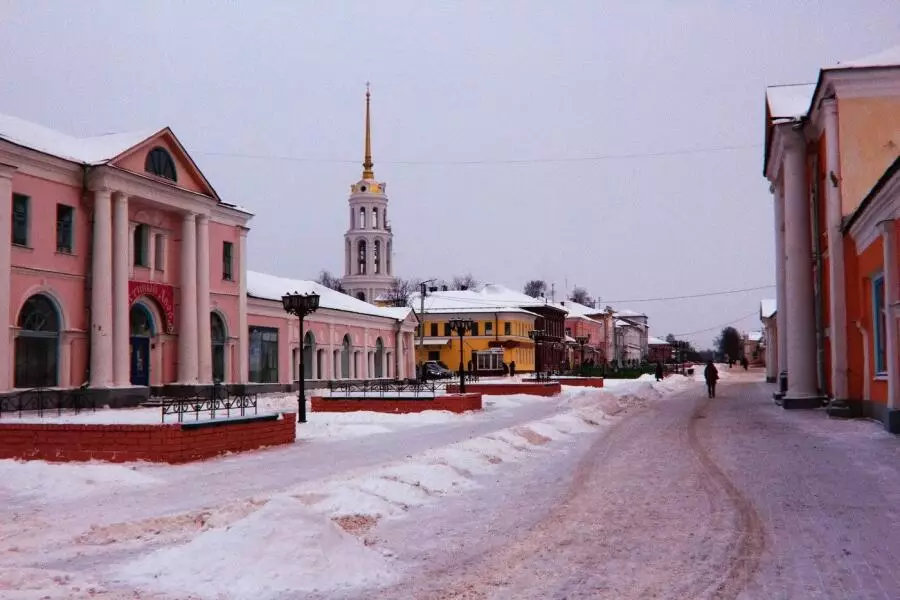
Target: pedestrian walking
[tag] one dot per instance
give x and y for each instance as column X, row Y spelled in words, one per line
column 711, row 374
column 659, row 371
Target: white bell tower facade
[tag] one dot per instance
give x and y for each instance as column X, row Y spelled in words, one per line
column 369, row 242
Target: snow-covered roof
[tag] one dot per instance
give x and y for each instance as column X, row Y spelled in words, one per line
column 579, row 310
column 767, row 308
column 624, row 323
column 629, row 313
column 885, row 58
column 90, row 150
column 755, row 336
column 273, row 287
column 490, row 298
column 652, row 341
column 789, row 101
column 570, row 339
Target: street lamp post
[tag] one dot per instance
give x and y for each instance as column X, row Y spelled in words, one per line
column 461, row 326
column 582, row 341
column 536, row 335
column 301, row 305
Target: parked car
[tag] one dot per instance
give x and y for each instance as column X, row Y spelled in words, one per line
column 435, row 369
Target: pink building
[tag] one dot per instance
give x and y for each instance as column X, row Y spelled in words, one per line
column 124, row 270
column 584, row 320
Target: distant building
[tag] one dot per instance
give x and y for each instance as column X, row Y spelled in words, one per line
column 754, row 348
column 767, row 315
column 659, row 350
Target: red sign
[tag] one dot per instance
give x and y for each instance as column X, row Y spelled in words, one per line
column 164, row 295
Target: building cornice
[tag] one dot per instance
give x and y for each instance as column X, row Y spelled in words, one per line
column 37, row 164
column 271, row 308
column 881, row 204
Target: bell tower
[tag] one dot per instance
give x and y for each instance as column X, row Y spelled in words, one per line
column 369, row 242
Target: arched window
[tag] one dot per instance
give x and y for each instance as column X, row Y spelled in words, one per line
column 309, row 351
column 37, row 344
column 361, row 296
column 159, row 162
column 141, row 321
column 345, row 357
column 361, row 224
column 379, row 358
column 377, row 257
column 374, row 218
column 218, row 336
column 388, row 258
column 361, row 257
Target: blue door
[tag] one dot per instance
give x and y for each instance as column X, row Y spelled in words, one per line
column 140, row 361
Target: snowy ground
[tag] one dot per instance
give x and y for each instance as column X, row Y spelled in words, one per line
column 314, row 519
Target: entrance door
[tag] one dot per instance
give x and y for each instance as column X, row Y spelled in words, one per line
column 140, row 361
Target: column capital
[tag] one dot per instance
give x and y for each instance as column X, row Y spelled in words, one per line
column 829, row 106
column 202, row 218
column 886, row 227
column 119, row 197
column 793, row 138
column 189, row 216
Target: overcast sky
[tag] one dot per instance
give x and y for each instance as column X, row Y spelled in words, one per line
column 282, row 83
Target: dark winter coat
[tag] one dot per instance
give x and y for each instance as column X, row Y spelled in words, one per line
column 711, row 373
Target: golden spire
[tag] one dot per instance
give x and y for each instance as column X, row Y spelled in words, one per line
column 367, row 163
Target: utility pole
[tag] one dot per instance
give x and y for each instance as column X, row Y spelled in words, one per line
column 422, row 289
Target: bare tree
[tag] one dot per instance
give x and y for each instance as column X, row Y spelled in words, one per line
column 581, row 296
column 400, row 291
column 464, row 282
column 330, row 281
column 535, row 288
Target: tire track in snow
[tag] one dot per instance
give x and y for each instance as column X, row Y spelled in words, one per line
column 749, row 541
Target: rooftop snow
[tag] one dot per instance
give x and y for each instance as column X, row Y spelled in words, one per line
column 629, row 313
column 789, row 101
column 755, row 336
column 767, row 308
column 656, row 342
column 885, row 58
column 579, row 310
column 89, row 150
column 491, row 298
column 272, row 287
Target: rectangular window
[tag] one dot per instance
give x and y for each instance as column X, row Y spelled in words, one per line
column 160, row 251
column 447, row 330
column 227, row 261
column 507, row 328
column 20, row 219
column 474, row 328
column 263, row 355
column 434, row 330
column 488, row 328
column 434, row 355
column 65, row 217
column 141, row 236
column 490, row 360
column 880, row 322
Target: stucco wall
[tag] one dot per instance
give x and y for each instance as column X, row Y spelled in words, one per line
column 869, row 130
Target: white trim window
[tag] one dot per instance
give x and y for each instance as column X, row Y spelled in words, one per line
column 879, row 319
column 489, row 360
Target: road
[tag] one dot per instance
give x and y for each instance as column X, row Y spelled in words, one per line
column 687, row 498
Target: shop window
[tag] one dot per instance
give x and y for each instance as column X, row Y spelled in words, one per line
column 434, row 355
column 263, row 355
column 491, row 360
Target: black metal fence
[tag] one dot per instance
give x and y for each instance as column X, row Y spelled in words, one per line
column 227, row 401
column 388, row 387
column 40, row 401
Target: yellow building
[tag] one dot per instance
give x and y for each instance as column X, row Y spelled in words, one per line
column 500, row 336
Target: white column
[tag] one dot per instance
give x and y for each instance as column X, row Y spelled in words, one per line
column 187, row 331
column 101, row 292
column 889, row 239
column 6, row 346
column 368, row 369
column 801, row 333
column 400, row 354
column 121, row 321
column 780, row 284
column 332, row 366
column 243, row 333
column 837, row 305
column 204, row 335
column 771, row 352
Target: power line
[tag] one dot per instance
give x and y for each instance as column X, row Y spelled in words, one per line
column 511, row 161
column 703, row 295
column 750, row 314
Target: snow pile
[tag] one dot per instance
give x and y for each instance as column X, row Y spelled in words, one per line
column 281, row 549
column 64, row 481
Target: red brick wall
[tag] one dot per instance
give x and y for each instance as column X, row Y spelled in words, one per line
column 583, row 381
column 169, row 443
column 509, row 389
column 458, row 403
